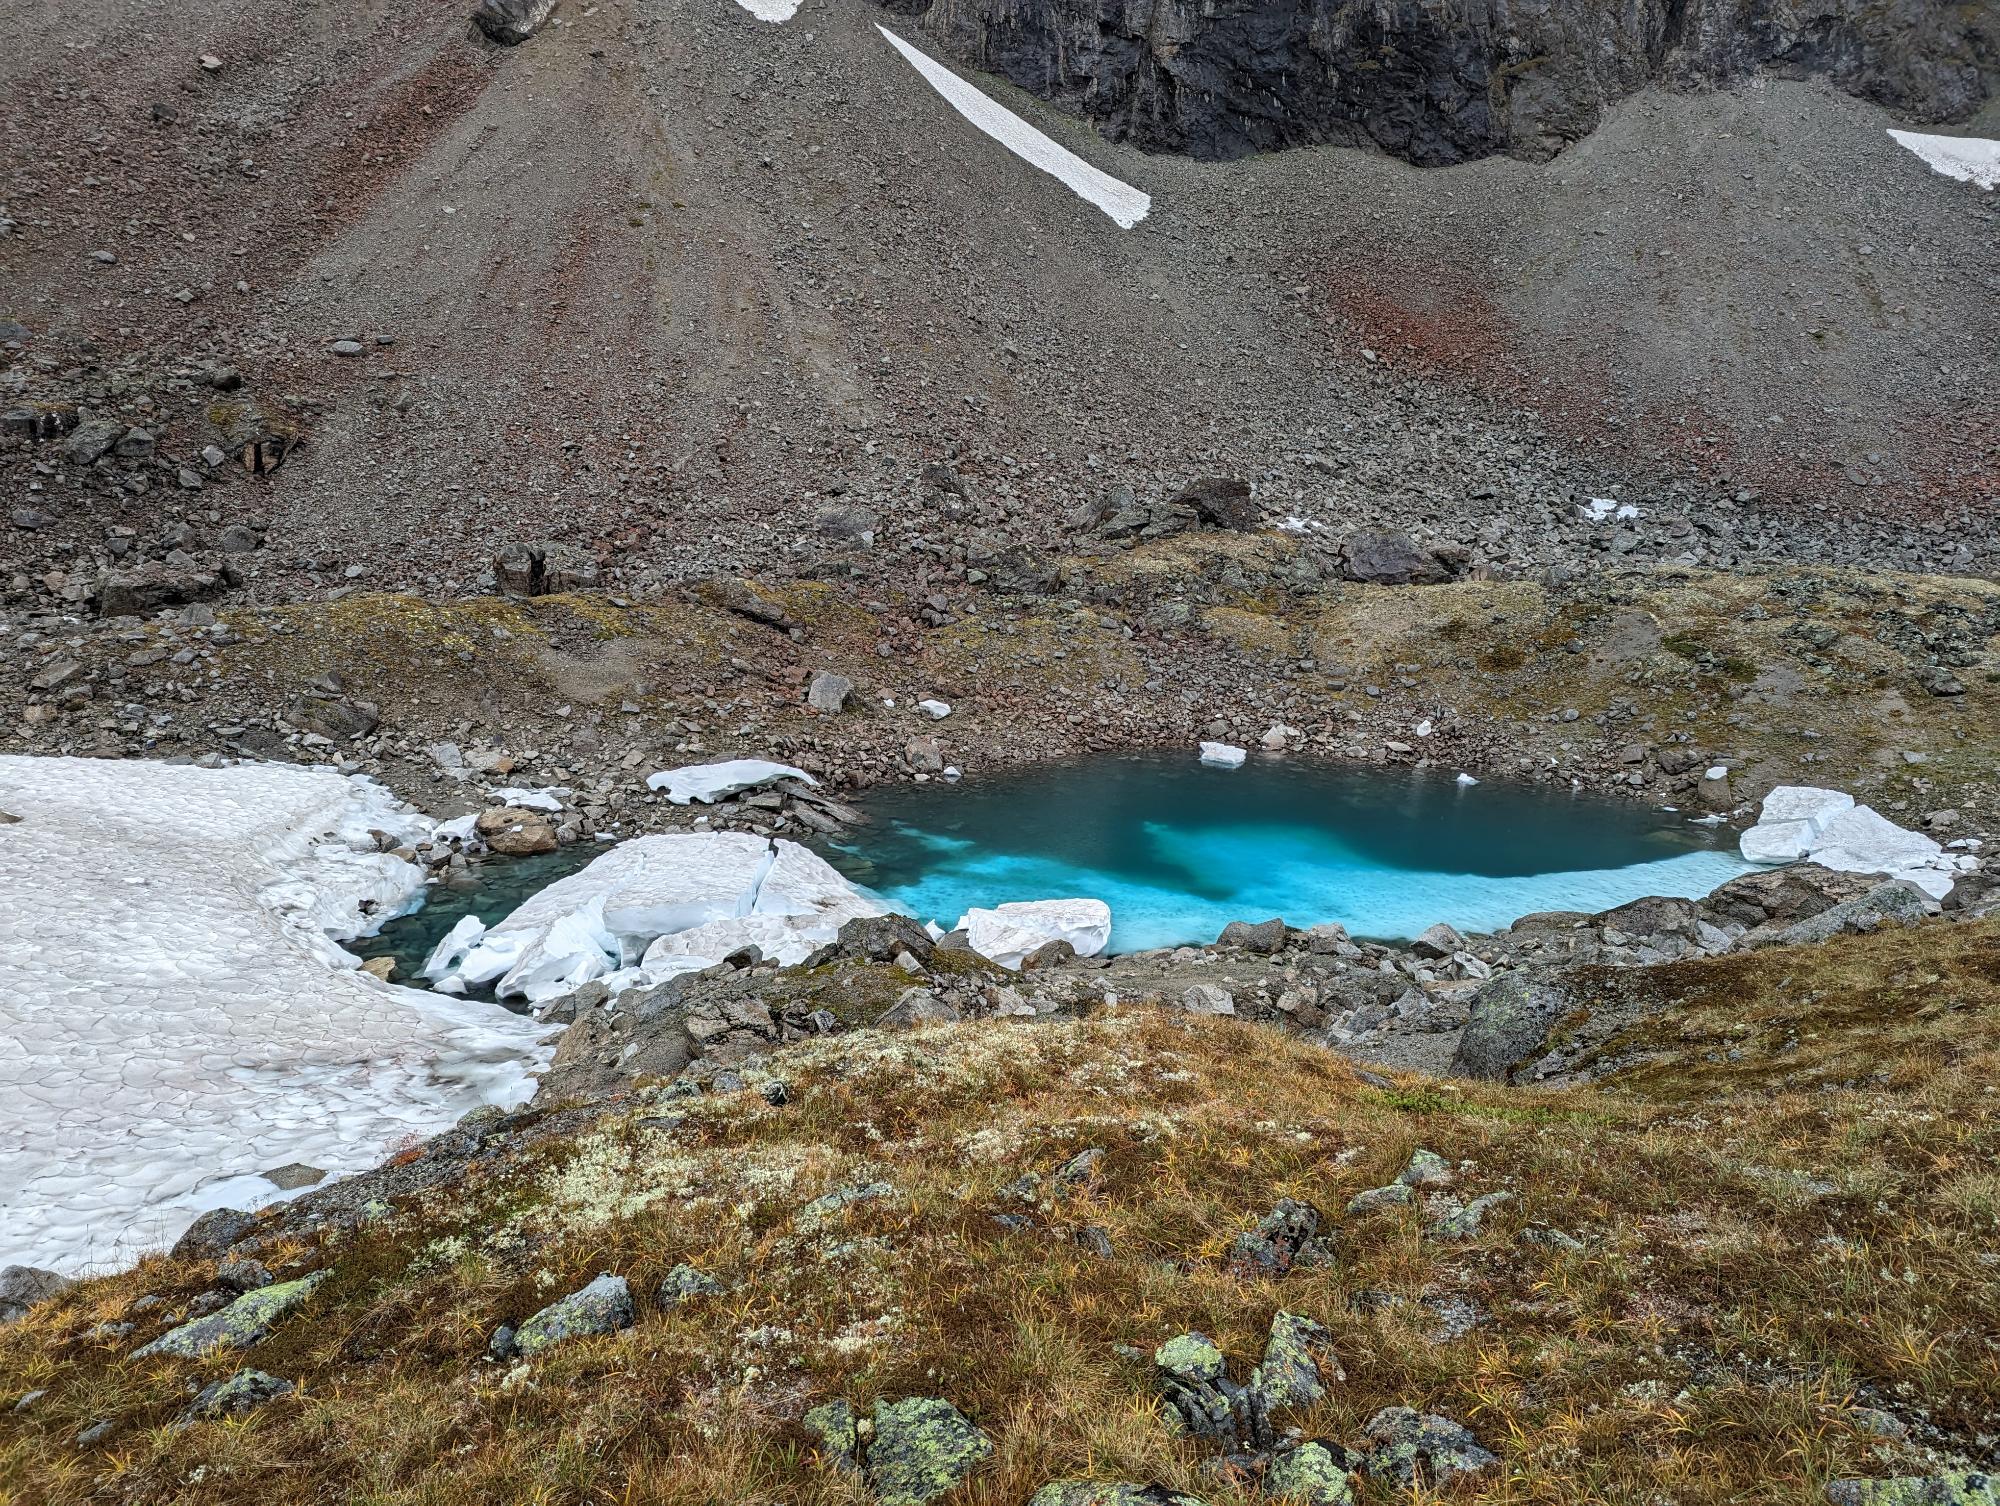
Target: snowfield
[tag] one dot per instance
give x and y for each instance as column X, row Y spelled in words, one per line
column 1970, row 159
column 175, row 1017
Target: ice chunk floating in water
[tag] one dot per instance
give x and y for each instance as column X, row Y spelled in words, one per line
column 174, row 1017
column 1177, row 852
column 1124, row 203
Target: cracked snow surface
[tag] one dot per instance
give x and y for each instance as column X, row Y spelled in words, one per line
column 174, row 1017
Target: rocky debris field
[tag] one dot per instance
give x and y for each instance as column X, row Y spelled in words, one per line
column 1111, row 1253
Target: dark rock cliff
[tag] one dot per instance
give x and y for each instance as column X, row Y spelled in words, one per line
column 1441, row 81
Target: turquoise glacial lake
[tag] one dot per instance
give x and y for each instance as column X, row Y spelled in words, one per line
column 1178, row 850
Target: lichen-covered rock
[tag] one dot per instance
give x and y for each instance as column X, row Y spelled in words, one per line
column 1285, row 1237
column 240, row 1393
column 1407, row 1447
column 921, row 1448
column 1310, row 1474
column 210, row 1236
column 1101, row 1493
column 683, row 1283
column 246, row 1321
column 1896, row 903
column 1375, row 1199
column 1511, row 1017
column 1426, row 1169
column 1971, row 1489
column 604, row 1306
column 840, row 1438
column 1288, row 1375
column 830, row 1205
column 1464, row 1223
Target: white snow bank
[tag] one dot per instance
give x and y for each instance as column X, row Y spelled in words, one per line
column 548, row 797
column 173, row 1016
column 1826, row 827
column 1970, row 159
column 1008, row 933
column 777, row 12
column 1608, row 509
column 650, row 901
column 1125, row 204
column 1222, row 755
column 709, row 782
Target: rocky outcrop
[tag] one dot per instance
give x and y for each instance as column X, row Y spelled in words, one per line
column 1437, row 84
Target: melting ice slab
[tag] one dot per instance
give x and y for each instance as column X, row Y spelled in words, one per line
column 652, row 907
column 174, row 1017
column 1124, row 203
column 1006, row 934
column 1826, row 827
column 1970, row 159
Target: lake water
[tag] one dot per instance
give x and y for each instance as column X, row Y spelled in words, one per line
column 1178, row 850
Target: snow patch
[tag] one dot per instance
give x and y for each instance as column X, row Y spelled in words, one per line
column 175, row 1015
column 777, row 12
column 1006, row 934
column 1970, row 159
column 1606, row 509
column 709, row 782
column 1125, row 204
column 1800, row 822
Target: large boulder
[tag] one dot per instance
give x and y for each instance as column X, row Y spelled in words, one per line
column 543, row 570
column 153, row 585
column 22, row 1286
column 1896, row 903
column 604, row 1306
column 1512, row 1015
column 1388, row 557
column 1783, row 895
column 246, row 1321
column 512, row 22
column 922, row 1447
column 1220, row 502
column 515, row 832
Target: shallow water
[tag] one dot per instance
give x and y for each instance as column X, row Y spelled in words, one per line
column 1179, row 850
column 497, row 886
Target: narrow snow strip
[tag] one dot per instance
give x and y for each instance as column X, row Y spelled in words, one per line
column 777, row 12
column 1970, row 159
column 1124, row 203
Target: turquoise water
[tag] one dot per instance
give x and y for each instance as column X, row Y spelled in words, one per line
column 1178, row 850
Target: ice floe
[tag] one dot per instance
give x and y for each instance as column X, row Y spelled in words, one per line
column 1125, row 204
column 1006, row 934
column 1222, row 755
column 1826, row 827
column 655, row 906
column 709, row 782
column 1970, row 159
column 175, row 1016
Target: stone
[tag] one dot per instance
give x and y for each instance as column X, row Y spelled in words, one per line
column 1387, row 557
column 239, row 1273
column 1896, row 903
column 516, row 832
column 1511, row 1016
column 1426, row 1169
column 134, row 444
column 602, row 1307
column 1220, row 502
column 880, row 938
column 1969, row 1489
column 1289, row 1376
column 524, row 569
column 1264, row 938
column 1407, row 1448
column 1207, row 998
column 1310, row 1474
column 917, row 1006
column 922, row 1447
column 1439, row 940
column 835, row 1426
column 22, row 1286
column 210, row 1236
column 333, row 717
column 822, row 1209
column 289, row 1178
column 1285, row 1237
column 153, row 585
column 925, row 755
column 1376, row 1199
column 1784, row 895
column 347, row 348
column 829, row 692
column 1194, row 1382
column 242, row 1392
column 684, row 1283
column 1466, row 1222
column 91, row 441
column 246, row 1321
column 1108, row 1493
column 745, row 599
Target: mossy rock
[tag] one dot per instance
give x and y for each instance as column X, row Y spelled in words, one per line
column 246, row 1321
column 922, row 1448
